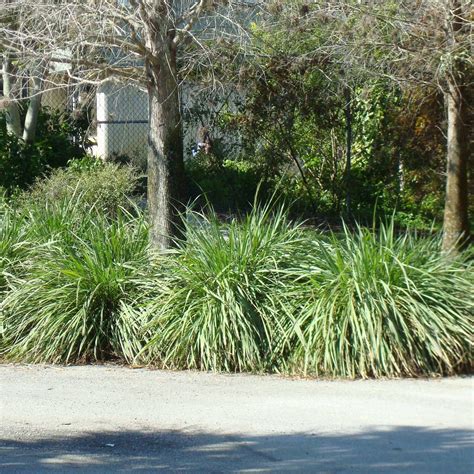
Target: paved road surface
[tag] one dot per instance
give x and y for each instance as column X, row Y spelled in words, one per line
column 112, row 419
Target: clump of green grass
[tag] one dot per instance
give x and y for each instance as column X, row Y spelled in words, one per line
column 374, row 304
column 220, row 308
column 78, row 283
column 67, row 306
column 14, row 245
column 59, row 221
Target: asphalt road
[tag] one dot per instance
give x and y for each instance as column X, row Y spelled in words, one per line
column 111, row 419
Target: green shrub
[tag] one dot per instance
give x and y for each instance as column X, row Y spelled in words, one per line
column 376, row 304
column 58, row 140
column 105, row 186
column 61, row 221
column 229, row 185
column 67, row 306
column 219, row 308
column 85, row 164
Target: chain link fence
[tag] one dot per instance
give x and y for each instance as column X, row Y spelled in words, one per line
column 121, row 123
column 114, row 117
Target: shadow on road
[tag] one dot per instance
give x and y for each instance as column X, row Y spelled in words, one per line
column 409, row 449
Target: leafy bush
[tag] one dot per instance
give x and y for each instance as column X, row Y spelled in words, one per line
column 220, row 307
column 229, row 185
column 376, row 304
column 58, row 140
column 105, row 186
column 67, row 306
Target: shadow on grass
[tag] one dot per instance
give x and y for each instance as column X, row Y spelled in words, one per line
column 403, row 449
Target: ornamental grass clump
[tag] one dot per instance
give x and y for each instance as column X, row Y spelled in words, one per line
column 257, row 294
column 374, row 304
column 220, row 308
column 67, row 307
column 14, row 246
column 60, row 221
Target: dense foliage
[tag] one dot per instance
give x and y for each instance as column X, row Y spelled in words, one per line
column 59, row 139
column 331, row 111
column 334, row 138
column 67, row 306
column 104, row 186
column 222, row 307
column 374, row 303
column 259, row 294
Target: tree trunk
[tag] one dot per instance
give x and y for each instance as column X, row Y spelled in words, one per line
column 456, row 221
column 31, row 119
column 348, row 114
column 12, row 115
column 166, row 181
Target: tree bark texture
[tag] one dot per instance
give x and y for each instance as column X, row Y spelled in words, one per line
column 13, row 120
column 166, row 180
column 348, row 115
column 31, row 119
column 456, row 219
